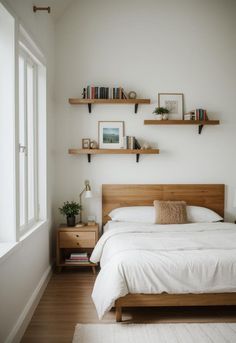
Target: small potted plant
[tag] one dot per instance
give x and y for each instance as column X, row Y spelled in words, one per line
column 161, row 113
column 70, row 210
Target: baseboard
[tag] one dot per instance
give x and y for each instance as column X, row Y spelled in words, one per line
column 23, row 321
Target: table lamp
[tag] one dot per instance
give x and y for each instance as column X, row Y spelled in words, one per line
column 88, row 194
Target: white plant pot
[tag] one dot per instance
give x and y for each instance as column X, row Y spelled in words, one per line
column 165, row 116
column 158, row 116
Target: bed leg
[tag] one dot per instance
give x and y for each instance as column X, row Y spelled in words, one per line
column 118, row 313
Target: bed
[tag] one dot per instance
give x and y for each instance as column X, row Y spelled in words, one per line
column 170, row 265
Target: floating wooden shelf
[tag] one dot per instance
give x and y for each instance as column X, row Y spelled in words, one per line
column 136, row 152
column 89, row 102
column 200, row 123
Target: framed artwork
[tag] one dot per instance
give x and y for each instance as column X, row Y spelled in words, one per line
column 85, row 143
column 110, row 134
column 174, row 102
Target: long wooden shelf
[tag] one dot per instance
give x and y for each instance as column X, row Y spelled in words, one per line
column 200, row 123
column 136, row 152
column 90, row 102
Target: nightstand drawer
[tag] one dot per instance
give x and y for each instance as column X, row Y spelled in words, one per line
column 77, row 239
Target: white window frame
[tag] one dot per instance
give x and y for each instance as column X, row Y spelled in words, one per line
column 24, row 42
column 27, row 47
column 29, row 60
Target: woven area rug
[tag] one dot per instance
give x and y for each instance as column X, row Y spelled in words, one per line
column 155, row 333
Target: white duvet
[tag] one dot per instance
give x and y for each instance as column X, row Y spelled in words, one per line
column 151, row 259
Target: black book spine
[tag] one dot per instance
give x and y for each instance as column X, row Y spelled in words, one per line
column 87, row 94
column 137, row 145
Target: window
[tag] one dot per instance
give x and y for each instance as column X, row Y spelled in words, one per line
column 28, row 142
column 32, row 136
column 23, row 153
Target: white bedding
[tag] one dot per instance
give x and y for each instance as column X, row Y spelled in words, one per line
column 151, row 259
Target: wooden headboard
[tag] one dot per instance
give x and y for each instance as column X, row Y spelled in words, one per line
column 206, row 195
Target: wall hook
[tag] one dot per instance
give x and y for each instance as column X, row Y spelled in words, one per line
column 35, row 9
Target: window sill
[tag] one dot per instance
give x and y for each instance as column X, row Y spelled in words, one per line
column 7, row 248
column 39, row 225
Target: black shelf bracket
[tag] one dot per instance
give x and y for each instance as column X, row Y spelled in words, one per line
column 200, row 127
column 135, row 108
column 90, row 108
column 137, row 158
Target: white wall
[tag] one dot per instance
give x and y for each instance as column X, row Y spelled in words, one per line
column 22, row 271
column 148, row 46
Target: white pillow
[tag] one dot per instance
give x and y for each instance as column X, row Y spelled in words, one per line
column 197, row 214
column 146, row 214
column 135, row 214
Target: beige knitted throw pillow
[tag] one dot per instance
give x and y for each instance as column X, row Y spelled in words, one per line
column 170, row 212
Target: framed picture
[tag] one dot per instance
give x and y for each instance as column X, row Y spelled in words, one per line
column 110, row 134
column 85, row 143
column 174, row 102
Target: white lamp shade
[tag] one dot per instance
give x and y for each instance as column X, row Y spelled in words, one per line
column 88, row 194
column 234, row 198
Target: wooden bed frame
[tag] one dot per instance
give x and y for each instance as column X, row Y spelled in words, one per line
column 206, row 195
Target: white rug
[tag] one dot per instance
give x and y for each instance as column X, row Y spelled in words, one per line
column 155, row 333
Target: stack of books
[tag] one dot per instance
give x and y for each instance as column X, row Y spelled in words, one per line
column 201, row 114
column 130, row 142
column 92, row 92
column 198, row 114
column 77, row 258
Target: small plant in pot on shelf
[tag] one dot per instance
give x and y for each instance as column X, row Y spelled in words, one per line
column 70, row 210
column 161, row 113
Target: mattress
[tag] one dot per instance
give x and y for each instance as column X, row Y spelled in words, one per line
column 152, row 259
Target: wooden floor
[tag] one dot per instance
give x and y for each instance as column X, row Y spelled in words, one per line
column 67, row 301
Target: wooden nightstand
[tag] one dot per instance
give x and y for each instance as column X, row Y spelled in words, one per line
column 76, row 240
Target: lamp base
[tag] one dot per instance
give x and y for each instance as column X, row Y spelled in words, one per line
column 80, row 225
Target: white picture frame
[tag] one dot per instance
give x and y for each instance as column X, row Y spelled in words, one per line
column 174, row 102
column 110, row 134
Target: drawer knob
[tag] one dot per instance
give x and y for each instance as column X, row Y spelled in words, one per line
column 77, row 243
column 77, row 235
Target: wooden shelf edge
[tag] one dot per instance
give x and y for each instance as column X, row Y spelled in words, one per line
column 180, row 122
column 136, row 152
column 113, row 151
column 76, row 101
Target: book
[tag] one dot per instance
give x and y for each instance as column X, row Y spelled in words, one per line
column 137, row 145
column 79, row 258
column 76, row 262
column 120, row 93
column 124, row 95
column 76, row 259
column 125, row 144
column 187, row 117
column 130, row 142
column 79, row 254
